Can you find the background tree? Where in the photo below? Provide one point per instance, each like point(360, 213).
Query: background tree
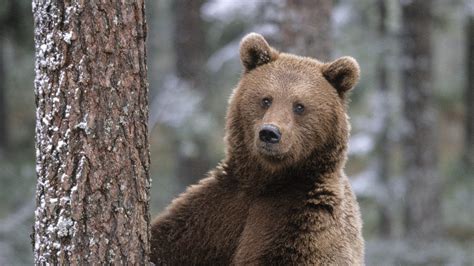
point(91, 133)
point(306, 28)
point(3, 103)
point(469, 98)
point(12, 27)
point(383, 111)
point(189, 41)
point(16, 131)
point(423, 182)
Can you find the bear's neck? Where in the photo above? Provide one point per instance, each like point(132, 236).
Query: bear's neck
point(250, 173)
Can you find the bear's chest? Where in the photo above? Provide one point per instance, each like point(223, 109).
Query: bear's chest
point(269, 218)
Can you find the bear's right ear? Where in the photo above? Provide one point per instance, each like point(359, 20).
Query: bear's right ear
point(255, 51)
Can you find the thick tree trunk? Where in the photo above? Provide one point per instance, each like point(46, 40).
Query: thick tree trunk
point(422, 199)
point(306, 28)
point(91, 133)
point(384, 111)
point(189, 42)
point(469, 147)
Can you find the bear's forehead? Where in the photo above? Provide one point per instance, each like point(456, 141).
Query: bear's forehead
point(300, 62)
point(288, 74)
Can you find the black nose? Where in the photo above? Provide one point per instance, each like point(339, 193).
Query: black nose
point(269, 134)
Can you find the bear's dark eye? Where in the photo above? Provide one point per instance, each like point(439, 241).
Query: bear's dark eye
point(298, 108)
point(266, 102)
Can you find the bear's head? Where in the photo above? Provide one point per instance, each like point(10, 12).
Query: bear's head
point(288, 110)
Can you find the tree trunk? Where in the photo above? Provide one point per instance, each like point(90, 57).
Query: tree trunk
point(469, 147)
point(3, 107)
point(384, 111)
point(189, 42)
point(91, 133)
point(422, 199)
point(306, 28)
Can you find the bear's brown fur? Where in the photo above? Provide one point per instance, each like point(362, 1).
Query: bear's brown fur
point(283, 203)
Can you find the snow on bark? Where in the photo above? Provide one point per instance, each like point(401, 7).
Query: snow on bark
point(91, 133)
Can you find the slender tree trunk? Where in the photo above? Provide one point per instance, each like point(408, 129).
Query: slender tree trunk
point(189, 42)
point(469, 147)
point(383, 109)
point(3, 103)
point(306, 28)
point(423, 206)
point(91, 133)
point(153, 41)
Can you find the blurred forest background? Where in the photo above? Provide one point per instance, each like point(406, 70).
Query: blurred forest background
point(411, 153)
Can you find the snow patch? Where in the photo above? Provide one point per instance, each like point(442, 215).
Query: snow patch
point(64, 226)
point(67, 37)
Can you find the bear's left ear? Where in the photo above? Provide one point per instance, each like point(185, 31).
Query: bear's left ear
point(342, 73)
point(255, 51)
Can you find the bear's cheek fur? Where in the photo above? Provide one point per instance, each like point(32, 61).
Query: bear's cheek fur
point(311, 132)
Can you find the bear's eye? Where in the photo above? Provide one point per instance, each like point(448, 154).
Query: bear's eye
point(298, 108)
point(266, 102)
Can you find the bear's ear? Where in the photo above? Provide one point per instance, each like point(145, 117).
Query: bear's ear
point(342, 73)
point(255, 51)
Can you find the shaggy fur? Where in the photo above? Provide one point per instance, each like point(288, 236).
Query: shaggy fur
point(288, 203)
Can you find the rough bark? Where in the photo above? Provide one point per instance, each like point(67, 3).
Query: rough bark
point(469, 138)
point(383, 109)
point(423, 182)
point(189, 42)
point(306, 28)
point(91, 133)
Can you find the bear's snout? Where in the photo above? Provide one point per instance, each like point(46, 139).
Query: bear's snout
point(269, 134)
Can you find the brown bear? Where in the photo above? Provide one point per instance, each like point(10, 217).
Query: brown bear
point(280, 196)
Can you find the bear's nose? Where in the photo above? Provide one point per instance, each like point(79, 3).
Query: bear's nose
point(269, 134)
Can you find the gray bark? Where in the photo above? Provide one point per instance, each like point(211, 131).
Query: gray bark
point(3, 103)
point(306, 28)
point(423, 182)
point(469, 138)
point(383, 143)
point(189, 42)
point(91, 133)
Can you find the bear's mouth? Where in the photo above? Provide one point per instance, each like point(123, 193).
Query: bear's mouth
point(271, 151)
